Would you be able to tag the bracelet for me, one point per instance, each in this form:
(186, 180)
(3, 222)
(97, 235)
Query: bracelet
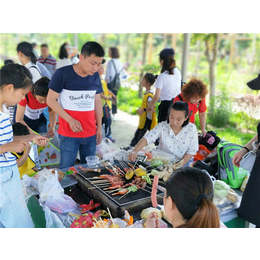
(246, 148)
(144, 109)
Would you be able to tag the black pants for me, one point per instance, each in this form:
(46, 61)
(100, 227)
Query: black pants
(141, 132)
(106, 120)
(163, 110)
(114, 107)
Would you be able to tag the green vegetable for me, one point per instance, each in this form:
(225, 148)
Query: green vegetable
(155, 163)
(133, 188)
(147, 179)
(154, 172)
(221, 188)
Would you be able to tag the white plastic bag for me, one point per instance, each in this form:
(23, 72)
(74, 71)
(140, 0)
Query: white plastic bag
(104, 147)
(51, 186)
(27, 188)
(52, 220)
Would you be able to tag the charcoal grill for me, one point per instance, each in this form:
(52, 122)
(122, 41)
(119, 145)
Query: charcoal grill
(133, 202)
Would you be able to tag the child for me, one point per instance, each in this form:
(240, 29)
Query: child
(30, 110)
(24, 162)
(75, 96)
(16, 81)
(106, 97)
(147, 120)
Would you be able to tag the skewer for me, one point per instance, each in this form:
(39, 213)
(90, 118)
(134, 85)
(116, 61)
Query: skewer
(110, 215)
(123, 195)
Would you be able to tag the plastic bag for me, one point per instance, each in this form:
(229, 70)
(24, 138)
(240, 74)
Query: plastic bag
(60, 203)
(28, 191)
(163, 156)
(51, 186)
(104, 147)
(52, 220)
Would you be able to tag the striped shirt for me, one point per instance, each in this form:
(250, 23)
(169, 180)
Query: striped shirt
(50, 63)
(6, 136)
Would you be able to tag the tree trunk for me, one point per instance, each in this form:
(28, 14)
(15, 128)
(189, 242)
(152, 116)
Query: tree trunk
(146, 35)
(197, 59)
(212, 59)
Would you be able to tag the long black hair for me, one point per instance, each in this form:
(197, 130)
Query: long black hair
(27, 49)
(63, 51)
(168, 64)
(180, 106)
(192, 191)
(15, 74)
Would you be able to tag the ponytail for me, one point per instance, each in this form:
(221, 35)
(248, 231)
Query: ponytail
(168, 64)
(33, 57)
(150, 78)
(27, 49)
(205, 217)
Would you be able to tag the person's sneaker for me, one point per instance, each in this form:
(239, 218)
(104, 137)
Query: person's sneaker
(113, 118)
(126, 148)
(112, 140)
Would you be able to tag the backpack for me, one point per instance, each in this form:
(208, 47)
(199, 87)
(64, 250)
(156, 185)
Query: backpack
(115, 83)
(228, 172)
(210, 140)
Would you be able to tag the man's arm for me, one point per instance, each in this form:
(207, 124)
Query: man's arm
(202, 117)
(52, 102)
(52, 119)
(98, 114)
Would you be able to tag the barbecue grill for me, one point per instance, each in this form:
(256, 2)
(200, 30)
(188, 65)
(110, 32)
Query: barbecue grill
(133, 202)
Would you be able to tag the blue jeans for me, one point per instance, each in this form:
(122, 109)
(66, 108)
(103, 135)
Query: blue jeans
(69, 147)
(13, 209)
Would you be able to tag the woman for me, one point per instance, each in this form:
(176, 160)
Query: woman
(177, 136)
(194, 93)
(63, 55)
(30, 110)
(114, 66)
(28, 59)
(249, 208)
(167, 85)
(188, 201)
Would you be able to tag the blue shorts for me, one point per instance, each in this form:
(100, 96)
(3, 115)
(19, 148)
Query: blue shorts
(13, 209)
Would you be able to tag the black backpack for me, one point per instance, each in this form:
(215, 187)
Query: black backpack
(115, 84)
(210, 140)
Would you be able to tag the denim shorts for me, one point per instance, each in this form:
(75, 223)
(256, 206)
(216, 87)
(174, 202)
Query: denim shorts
(69, 147)
(13, 209)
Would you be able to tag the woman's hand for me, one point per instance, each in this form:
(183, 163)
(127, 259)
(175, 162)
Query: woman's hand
(140, 111)
(39, 140)
(132, 156)
(152, 221)
(238, 156)
(204, 132)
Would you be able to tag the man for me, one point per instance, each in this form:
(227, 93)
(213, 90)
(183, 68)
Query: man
(49, 61)
(75, 96)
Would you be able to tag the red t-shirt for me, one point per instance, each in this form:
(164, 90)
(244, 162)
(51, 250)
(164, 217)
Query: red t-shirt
(33, 108)
(194, 108)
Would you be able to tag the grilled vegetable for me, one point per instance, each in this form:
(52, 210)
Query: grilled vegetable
(129, 174)
(139, 172)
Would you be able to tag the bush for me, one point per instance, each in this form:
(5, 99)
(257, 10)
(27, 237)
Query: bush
(220, 110)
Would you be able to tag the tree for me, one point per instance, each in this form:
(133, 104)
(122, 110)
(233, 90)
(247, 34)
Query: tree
(211, 41)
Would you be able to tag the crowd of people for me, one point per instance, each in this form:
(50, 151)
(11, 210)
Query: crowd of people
(73, 89)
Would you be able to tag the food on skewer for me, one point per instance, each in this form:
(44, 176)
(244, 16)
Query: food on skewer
(89, 170)
(121, 192)
(129, 174)
(139, 172)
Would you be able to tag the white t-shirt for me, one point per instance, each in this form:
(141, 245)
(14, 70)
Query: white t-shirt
(63, 62)
(35, 72)
(170, 85)
(186, 141)
(110, 70)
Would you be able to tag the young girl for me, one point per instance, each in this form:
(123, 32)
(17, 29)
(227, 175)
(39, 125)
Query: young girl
(106, 98)
(30, 110)
(188, 201)
(177, 136)
(168, 84)
(16, 81)
(147, 120)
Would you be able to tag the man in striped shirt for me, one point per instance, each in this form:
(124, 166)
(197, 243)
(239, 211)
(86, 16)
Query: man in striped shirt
(47, 60)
